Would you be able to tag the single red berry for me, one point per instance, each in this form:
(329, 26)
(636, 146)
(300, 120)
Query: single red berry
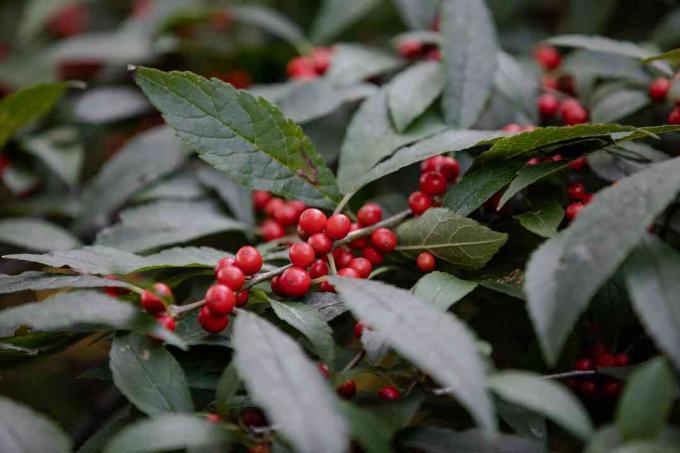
(358, 329)
(659, 88)
(384, 240)
(584, 364)
(605, 361)
(556, 158)
(446, 165)
(372, 255)
(434, 55)
(512, 127)
(410, 49)
(587, 198)
(533, 161)
(548, 57)
(232, 277)
(260, 199)
(573, 112)
(220, 300)
(70, 21)
(301, 68)
(295, 282)
(369, 214)
(342, 256)
(301, 254)
(242, 298)
(249, 260)
(272, 205)
(326, 287)
(548, 104)
(419, 202)
(302, 234)
(210, 323)
(357, 243)
(152, 303)
(318, 269)
(253, 418)
(573, 210)
(286, 215)
(163, 291)
(588, 388)
(674, 116)
(338, 226)
(321, 59)
(223, 263)
(276, 286)
(576, 191)
(425, 262)
(347, 389)
(321, 243)
(114, 291)
(621, 359)
(299, 208)
(213, 418)
(324, 370)
(362, 266)
(578, 164)
(271, 230)
(348, 272)
(4, 160)
(433, 183)
(612, 389)
(312, 221)
(166, 321)
(389, 393)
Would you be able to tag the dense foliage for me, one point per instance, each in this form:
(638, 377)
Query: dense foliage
(409, 225)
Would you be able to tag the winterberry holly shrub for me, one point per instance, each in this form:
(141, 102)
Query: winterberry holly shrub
(437, 234)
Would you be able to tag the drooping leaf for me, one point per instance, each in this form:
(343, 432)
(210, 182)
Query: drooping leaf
(243, 136)
(545, 397)
(567, 270)
(288, 390)
(37, 281)
(542, 220)
(412, 91)
(441, 440)
(169, 432)
(368, 429)
(180, 186)
(109, 104)
(612, 165)
(237, 197)
(418, 14)
(24, 430)
(36, 234)
(436, 342)
(469, 51)
(442, 290)
(525, 422)
(227, 386)
(357, 62)
(618, 104)
(337, 15)
(309, 322)
(647, 400)
(271, 21)
(148, 375)
(450, 237)
(60, 151)
(654, 288)
(517, 85)
(528, 175)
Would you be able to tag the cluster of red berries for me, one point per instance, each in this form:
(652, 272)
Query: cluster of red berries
(228, 292)
(155, 301)
(580, 198)
(599, 357)
(309, 67)
(412, 49)
(348, 389)
(279, 215)
(658, 91)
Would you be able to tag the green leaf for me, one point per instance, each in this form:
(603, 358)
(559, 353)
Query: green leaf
(450, 237)
(608, 439)
(647, 401)
(412, 91)
(27, 105)
(237, 197)
(145, 159)
(469, 51)
(180, 186)
(36, 234)
(619, 104)
(24, 430)
(109, 104)
(436, 342)
(518, 85)
(542, 220)
(545, 397)
(647, 447)
(652, 281)
(567, 270)
(60, 150)
(528, 175)
(243, 136)
(441, 440)
(614, 164)
(308, 321)
(523, 421)
(165, 223)
(442, 290)
(480, 184)
(368, 429)
(271, 21)
(227, 386)
(148, 375)
(418, 14)
(37, 281)
(288, 390)
(370, 138)
(356, 62)
(336, 16)
(671, 55)
(169, 432)
(329, 305)
(113, 424)
(191, 332)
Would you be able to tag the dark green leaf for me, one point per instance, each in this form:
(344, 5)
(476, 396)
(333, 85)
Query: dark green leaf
(337, 15)
(368, 429)
(37, 281)
(329, 305)
(36, 234)
(518, 85)
(442, 290)
(469, 51)
(109, 104)
(148, 375)
(191, 332)
(269, 20)
(23, 430)
(542, 220)
(288, 390)
(412, 91)
(525, 422)
(243, 136)
(614, 164)
(619, 104)
(440, 440)
(528, 175)
(418, 14)
(436, 342)
(356, 62)
(227, 386)
(180, 186)
(114, 423)
(567, 270)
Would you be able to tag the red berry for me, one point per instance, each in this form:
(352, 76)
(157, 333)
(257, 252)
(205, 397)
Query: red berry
(298, 206)
(321, 59)
(587, 198)
(357, 243)
(253, 418)
(312, 221)
(70, 21)
(213, 418)
(321, 243)
(389, 393)
(548, 104)
(446, 165)
(152, 303)
(419, 202)
(342, 256)
(163, 290)
(621, 360)
(425, 262)
(249, 260)
(210, 323)
(512, 127)
(348, 272)
(232, 277)
(584, 364)
(223, 263)
(286, 215)
(372, 255)
(579, 163)
(612, 389)
(301, 254)
(276, 286)
(358, 329)
(588, 388)
(605, 361)
(567, 84)
(242, 298)
(114, 291)
(572, 210)
(674, 116)
(318, 269)
(326, 287)
(548, 57)
(556, 158)
(272, 205)
(384, 240)
(271, 230)
(659, 88)
(260, 199)
(167, 322)
(324, 370)
(434, 54)
(362, 266)
(573, 112)
(433, 183)
(369, 214)
(576, 191)
(302, 234)
(410, 49)
(338, 226)
(295, 282)
(4, 160)
(347, 389)
(533, 161)
(220, 300)
(301, 68)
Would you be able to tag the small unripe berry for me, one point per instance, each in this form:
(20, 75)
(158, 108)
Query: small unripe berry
(301, 254)
(312, 221)
(338, 226)
(295, 282)
(347, 389)
(372, 255)
(419, 202)
(433, 183)
(425, 262)
(321, 243)
(384, 240)
(232, 277)
(659, 88)
(362, 266)
(210, 323)
(220, 300)
(249, 260)
(369, 214)
(548, 104)
(389, 393)
(548, 57)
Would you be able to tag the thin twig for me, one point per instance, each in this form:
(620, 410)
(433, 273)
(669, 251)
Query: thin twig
(259, 278)
(355, 360)
(570, 374)
(363, 232)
